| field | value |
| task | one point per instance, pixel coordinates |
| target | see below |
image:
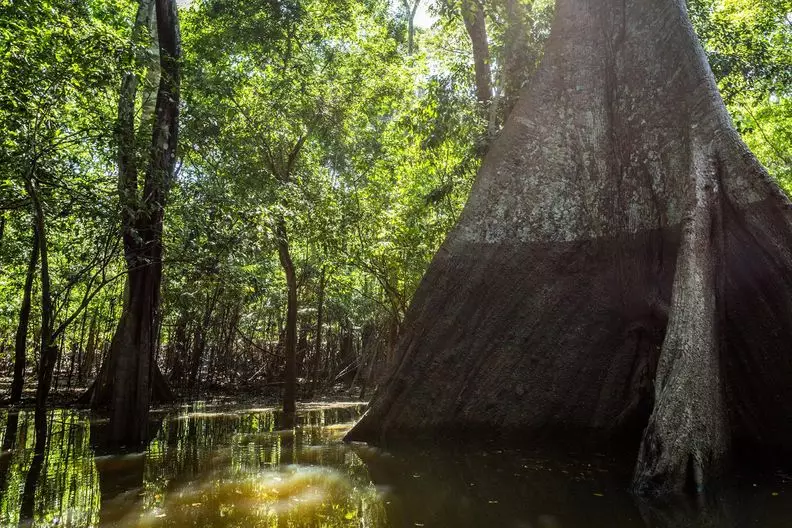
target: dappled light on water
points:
(298, 496)
(224, 466)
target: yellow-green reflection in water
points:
(212, 466)
(65, 489)
(203, 468)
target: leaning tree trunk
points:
(622, 270)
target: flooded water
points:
(215, 466)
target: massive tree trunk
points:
(126, 380)
(622, 270)
(20, 344)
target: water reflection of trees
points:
(247, 469)
(202, 467)
(47, 478)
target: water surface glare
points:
(219, 466)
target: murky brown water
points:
(213, 467)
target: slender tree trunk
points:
(2, 227)
(621, 274)
(20, 348)
(85, 366)
(410, 11)
(519, 56)
(319, 325)
(49, 350)
(59, 349)
(475, 19)
(290, 340)
(78, 352)
(199, 343)
(180, 346)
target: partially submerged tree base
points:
(622, 268)
(98, 394)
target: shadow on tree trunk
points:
(620, 276)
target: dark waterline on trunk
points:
(221, 465)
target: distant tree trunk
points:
(518, 55)
(318, 344)
(290, 339)
(86, 365)
(233, 324)
(59, 349)
(130, 373)
(475, 19)
(179, 348)
(78, 351)
(410, 11)
(20, 345)
(199, 343)
(621, 274)
(302, 349)
(49, 350)
(2, 229)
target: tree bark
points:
(20, 344)
(290, 340)
(130, 374)
(476, 25)
(410, 11)
(48, 348)
(621, 274)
